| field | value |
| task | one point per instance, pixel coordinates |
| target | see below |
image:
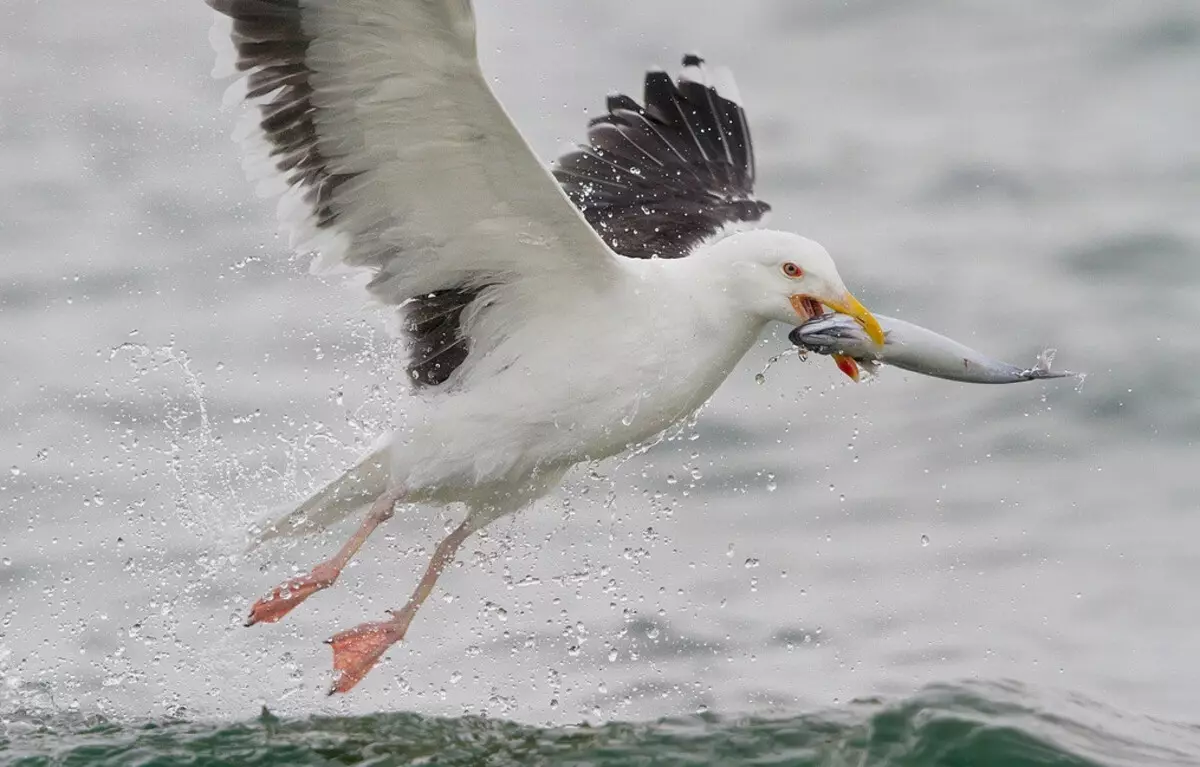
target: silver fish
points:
(914, 348)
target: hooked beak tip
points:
(871, 325)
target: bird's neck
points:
(699, 280)
(693, 300)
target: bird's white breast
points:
(583, 385)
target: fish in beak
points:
(845, 304)
(809, 306)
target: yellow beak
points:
(849, 305)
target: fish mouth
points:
(814, 309)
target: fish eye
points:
(791, 270)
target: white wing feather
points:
(391, 152)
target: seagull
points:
(550, 315)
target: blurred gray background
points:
(1014, 174)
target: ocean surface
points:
(909, 572)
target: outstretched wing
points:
(373, 123)
(660, 178)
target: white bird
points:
(538, 336)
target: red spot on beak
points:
(847, 365)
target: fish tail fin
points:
(1046, 359)
(357, 487)
(1042, 369)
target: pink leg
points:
(357, 650)
(286, 596)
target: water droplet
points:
(612, 655)
(924, 540)
(455, 678)
(751, 563)
(759, 378)
(573, 651)
(772, 485)
(671, 479)
(16, 472)
(6, 562)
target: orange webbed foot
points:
(356, 651)
(284, 598)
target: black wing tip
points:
(619, 101)
(254, 9)
(660, 78)
(657, 178)
(752, 210)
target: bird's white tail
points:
(359, 486)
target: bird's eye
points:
(791, 270)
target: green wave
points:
(952, 726)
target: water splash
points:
(761, 376)
(192, 501)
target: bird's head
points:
(788, 278)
